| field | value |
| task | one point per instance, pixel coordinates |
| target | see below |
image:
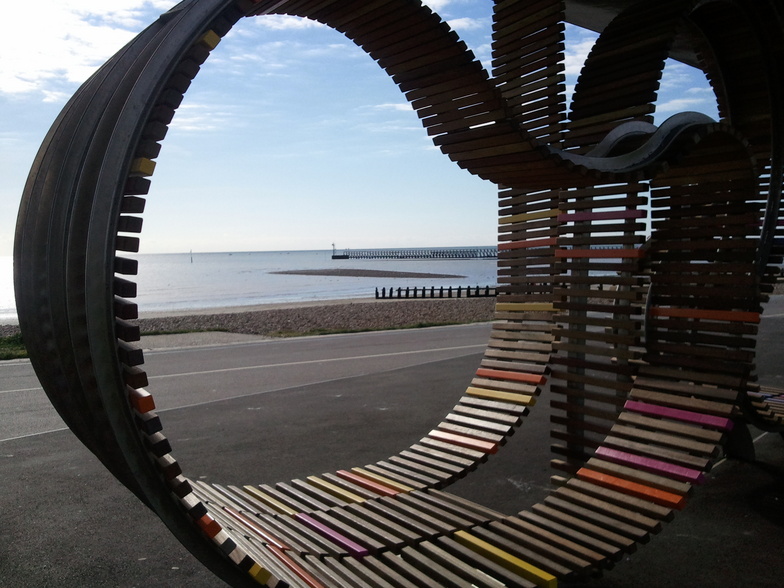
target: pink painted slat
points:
(678, 414)
(528, 243)
(608, 215)
(297, 569)
(257, 529)
(367, 483)
(599, 253)
(349, 545)
(655, 466)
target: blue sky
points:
(291, 137)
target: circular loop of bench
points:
(79, 216)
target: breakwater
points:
(420, 253)
(440, 292)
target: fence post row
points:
(450, 292)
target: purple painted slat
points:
(609, 215)
(349, 545)
(655, 466)
(687, 416)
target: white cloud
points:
(67, 42)
(436, 5)
(575, 55)
(390, 127)
(286, 58)
(285, 22)
(467, 24)
(685, 88)
(683, 104)
(569, 92)
(396, 106)
(677, 75)
(55, 96)
(202, 118)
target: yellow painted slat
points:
(270, 501)
(259, 574)
(507, 560)
(210, 39)
(524, 399)
(142, 166)
(334, 490)
(521, 218)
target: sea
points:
(192, 281)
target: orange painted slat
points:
(712, 315)
(513, 376)
(209, 525)
(141, 400)
(660, 497)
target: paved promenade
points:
(244, 410)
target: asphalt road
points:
(272, 410)
(190, 376)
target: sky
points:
(290, 137)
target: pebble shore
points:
(334, 317)
(327, 316)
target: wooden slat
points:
(506, 560)
(487, 565)
(382, 527)
(655, 495)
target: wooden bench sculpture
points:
(647, 373)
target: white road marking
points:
(21, 390)
(312, 361)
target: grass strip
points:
(12, 347)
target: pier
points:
(419, 253)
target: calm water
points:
(174, 282)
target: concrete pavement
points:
(269, 411)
